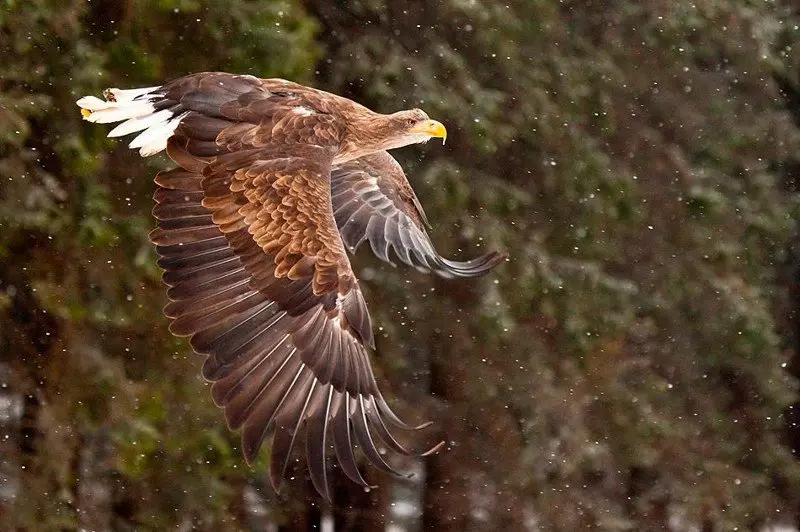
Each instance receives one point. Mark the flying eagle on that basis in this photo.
(275, 182)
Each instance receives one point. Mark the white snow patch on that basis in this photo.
(303, 111)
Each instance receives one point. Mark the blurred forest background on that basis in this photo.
(632, 367)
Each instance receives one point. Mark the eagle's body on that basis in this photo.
(274, 181)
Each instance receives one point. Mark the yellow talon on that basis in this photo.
(85, 113)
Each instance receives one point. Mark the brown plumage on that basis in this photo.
(274, 181)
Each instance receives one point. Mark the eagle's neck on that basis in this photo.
(370, 133)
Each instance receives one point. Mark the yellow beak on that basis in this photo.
(431, 127)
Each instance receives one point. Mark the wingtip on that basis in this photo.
(433, 450)
(276, 474)
(476, 267)
(249, 457)
(275, 483)
(326, 495)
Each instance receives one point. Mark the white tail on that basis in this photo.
(136, 109)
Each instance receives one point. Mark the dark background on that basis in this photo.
(632, 367)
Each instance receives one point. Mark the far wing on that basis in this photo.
(373, 201)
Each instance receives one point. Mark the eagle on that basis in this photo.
(275, 183)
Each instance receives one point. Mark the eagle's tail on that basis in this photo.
(144, 110)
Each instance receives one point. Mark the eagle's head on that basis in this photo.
(374, 132)
(416, 126)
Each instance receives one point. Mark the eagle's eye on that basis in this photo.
(410, 122)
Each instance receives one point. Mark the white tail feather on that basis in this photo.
(137, 124)
(93, 103)
(136, 110)
(154, 139)
(120, 111)
(126, 95)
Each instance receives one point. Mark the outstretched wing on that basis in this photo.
(258, 274)
(373, 201)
